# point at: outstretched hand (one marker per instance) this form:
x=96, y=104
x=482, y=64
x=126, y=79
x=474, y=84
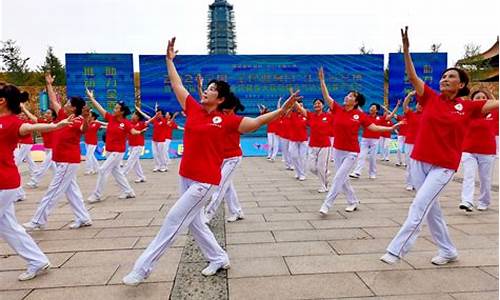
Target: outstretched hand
x=171, y=52
x=90, y=93
x=404, y=38
x=290, y=102
x=199, y=81
x=321, y=74
x=66, y=122
x=49, y=79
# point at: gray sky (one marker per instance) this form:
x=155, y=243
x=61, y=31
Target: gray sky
x=263, y=26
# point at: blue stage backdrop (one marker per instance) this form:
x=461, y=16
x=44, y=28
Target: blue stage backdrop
x=262, y=79
x=429, y=67
x=111, y=76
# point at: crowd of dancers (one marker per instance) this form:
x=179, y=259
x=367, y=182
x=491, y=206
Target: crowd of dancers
x=443, y=129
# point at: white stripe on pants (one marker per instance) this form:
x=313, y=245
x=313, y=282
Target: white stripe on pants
x=91, y=163
x=298, y=154
x=42, y=169
x=318, y=163
x=272, y=145
x=159, y=155
x=383, y=145
x=167, y=148
x=15, y=235
x=228, y=168
x=429, y=181
x=409, y=150
x=112, y=165
x=185, y=212
x=484, y=164
x=344, y=161
x=133, y=162
x=285, y=151
x=401, y=149
x=368, y=148
x=64, y=182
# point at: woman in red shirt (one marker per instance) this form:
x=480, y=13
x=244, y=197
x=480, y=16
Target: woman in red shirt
x=368, y=146
x=23, y=153
x=319, y=123
x=346, y=119
x=170, y=126
x=11, y=129
x=90, y=137
x=158, y=139
x=298, y=142
x=200, y=169
x=479, y=149
x=413, y=123
x=116, y=135
x=136, y=144
x=48, y=117
x=385, y=137
x=436, y=155
x=67, y=158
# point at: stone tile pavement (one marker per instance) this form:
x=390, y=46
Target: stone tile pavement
x=282, y=250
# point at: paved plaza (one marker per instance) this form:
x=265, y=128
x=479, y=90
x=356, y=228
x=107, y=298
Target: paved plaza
x=283, y=249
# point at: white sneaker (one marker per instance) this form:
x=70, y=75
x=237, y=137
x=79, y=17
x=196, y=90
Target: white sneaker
x=32, y=185
x=302, y=178
x=389, y=259
x=93, y=199
x=409, y=188
x=212, y=268
x=482, y=207
x=163, y=170
x=205, y=217
x=32, y=226
x=351, y=207
x=32, y=274
x=322, y=190
x=354, y=175
x=466, y=206
x=139, y=180
x=372, y=177
x=156, y=169
x=236, y=217
x=126, y=195
x=88, y=173
x=22, y=198
x=133, y=279
x=398, y=164
x=439, y=260
x=78, y=224
x=323, y=210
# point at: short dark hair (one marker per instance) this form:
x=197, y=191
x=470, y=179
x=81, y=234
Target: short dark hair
x=53, y=113
x=464, y=78
x=14, y=97
x=376, y=105
x=94, y=115
x=320, y=100
x=139, y=115
x=78, y=103
x=231, y=101
x=360, y=98
x=124, y=108
x=477, y=92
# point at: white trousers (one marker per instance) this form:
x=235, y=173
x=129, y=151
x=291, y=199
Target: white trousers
x=167, y=149
x=91, y=163
x=15, y=235
x=496, y=140
x=134, y=162
x=484, y=164
x=112, y=165
x=159, y=155
x=23, y=153
x=409, y=150
x=344, y=162
x=429, y=180
x=383, y=146
x=185, y=212
x=225, y=190
x=42, y=169
x=332, y=139
x=298, y=155
x=64, y=182
x=273, y=142
x=401, y=149
x=318, y=164
x=285, y=150
x=368, y=149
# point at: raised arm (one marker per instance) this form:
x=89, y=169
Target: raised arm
x=100, y=109
x=406, y=102
x=175, y=80
x=31, y=116
x=417, y=83
x=378, y=128
x=251, y=124
x=27, y=128
x=49, y=80
x=152, y=119
x=145, y=115
x=324, y=90
x=489, y=106
x=393, y=112
x=278, y=105
x=301, y=109
x=199, y=84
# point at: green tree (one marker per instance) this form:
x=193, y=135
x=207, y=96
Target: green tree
x=435, y=48
x=53, y=65
x=13, y=63
x=364, y=50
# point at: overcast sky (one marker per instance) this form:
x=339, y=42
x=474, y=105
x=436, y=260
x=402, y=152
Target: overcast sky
x=263, y=26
